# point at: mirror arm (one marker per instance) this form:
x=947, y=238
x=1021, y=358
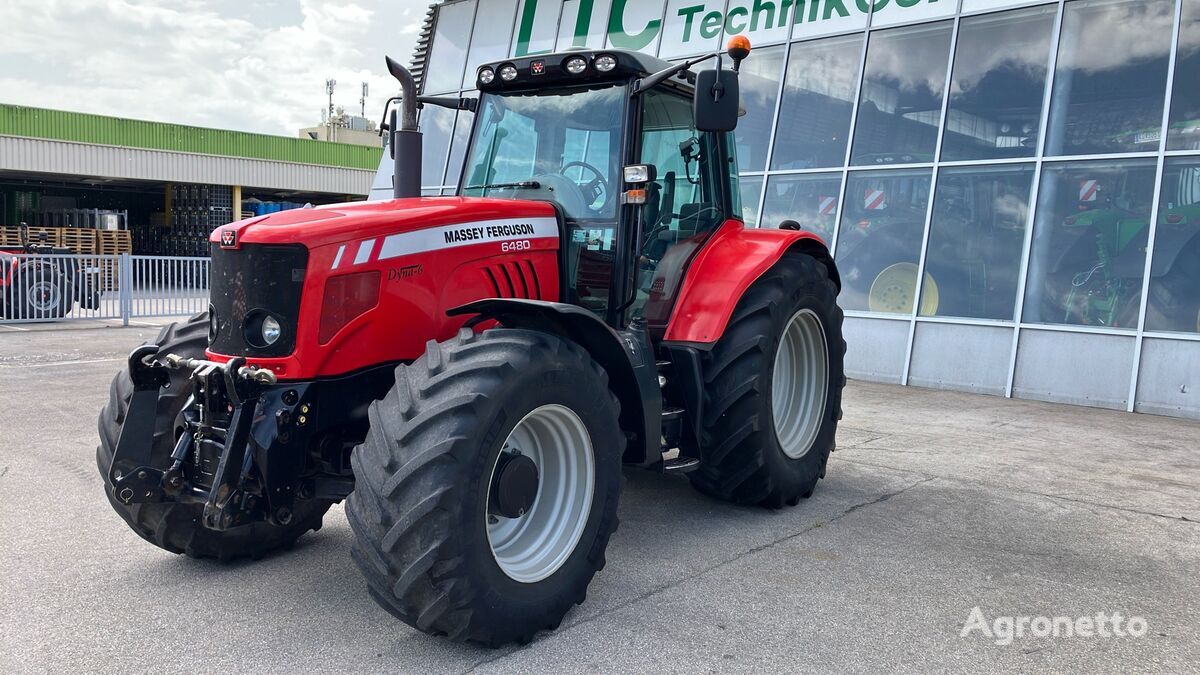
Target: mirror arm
x=383, y=123
x=464, y=103
x=654, y=80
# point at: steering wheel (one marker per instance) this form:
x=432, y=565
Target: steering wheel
x=594, y=189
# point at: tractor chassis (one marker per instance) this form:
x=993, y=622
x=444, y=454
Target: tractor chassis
x=247, y=447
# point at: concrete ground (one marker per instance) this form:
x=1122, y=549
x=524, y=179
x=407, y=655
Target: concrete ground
x=935, y=503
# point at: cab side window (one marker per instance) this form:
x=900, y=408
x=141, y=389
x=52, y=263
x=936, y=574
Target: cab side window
x=684, y=202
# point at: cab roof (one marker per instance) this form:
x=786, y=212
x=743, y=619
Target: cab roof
x=550, y=70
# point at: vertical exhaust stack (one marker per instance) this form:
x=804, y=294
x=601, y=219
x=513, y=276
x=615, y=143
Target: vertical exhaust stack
x=405, y=137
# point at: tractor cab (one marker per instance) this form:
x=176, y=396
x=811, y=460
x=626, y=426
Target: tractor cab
x=612, y=139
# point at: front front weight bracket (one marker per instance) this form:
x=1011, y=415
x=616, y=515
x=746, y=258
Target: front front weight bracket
x=133, y=478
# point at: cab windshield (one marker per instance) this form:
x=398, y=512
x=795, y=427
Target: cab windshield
x=562, y=146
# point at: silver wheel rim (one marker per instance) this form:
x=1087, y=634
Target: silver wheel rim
x=533, y=546
x=799, y=383
x=43, y=296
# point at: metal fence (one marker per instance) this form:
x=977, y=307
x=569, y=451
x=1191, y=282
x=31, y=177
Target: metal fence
x=38, y=288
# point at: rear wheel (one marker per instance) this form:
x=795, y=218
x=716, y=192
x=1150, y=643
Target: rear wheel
x=44, y=292
x=773, y=386
x=175, y=526
x=486, y=489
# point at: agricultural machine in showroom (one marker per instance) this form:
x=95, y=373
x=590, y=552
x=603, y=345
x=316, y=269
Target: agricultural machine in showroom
x=471, y=372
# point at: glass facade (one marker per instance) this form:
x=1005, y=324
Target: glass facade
x=979, y=168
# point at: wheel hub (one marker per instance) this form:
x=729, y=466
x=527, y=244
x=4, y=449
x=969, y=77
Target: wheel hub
x=540, y=493
x=799, y=383
x=514, y=486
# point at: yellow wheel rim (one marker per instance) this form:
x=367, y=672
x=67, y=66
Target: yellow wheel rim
x=895, y=290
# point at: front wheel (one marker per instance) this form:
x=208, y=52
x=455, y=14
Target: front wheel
x=773, y=389
x=177, y=526
x=486, y=489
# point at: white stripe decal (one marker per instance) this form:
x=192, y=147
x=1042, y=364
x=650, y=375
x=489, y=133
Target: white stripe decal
x=466, y=234
x=364, y=252
x=337, y=259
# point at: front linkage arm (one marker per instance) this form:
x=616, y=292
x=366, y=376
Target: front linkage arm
x=133, y=476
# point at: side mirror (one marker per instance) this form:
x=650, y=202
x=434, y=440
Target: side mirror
x=716, y=101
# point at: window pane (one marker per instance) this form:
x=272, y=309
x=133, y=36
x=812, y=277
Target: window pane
x=448, y=53
x=1175, y=276
x=1184, y=131
x=436, y=124
x=751, y=188
x=879, y=240
x=901, y=102
x=998, y=84
x=490, y=43
x=810, y=200
x=980, y=5
x=458, y=145
x=818, y=94
x=760, y=89
x=1089, y=244
x=975, y=241
x=1111, y=77
x=686, y=30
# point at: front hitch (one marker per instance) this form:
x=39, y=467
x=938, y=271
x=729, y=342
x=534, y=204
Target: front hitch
x=136, y=480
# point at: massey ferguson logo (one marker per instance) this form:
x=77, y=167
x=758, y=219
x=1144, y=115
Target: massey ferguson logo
x=229, y=239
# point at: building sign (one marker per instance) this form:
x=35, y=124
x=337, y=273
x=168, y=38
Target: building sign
x=694, y=26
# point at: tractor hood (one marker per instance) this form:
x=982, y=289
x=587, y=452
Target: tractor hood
x=339, y=223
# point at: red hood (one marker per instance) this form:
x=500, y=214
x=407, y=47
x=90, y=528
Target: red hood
x=336, y=223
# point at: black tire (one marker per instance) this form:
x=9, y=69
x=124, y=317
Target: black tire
x=44, y=293
x=173, y=526
x=742, y=460
x=419, y=504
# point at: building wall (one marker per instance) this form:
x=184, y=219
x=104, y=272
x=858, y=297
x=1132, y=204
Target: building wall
x=84, y=159
x=1035, y=165
x=368, y=139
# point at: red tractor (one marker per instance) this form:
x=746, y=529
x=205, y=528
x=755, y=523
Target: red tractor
x=471, y=372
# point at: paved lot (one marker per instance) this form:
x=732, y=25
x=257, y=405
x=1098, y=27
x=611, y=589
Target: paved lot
x=935, y=503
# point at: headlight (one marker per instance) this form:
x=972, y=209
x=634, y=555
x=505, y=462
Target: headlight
x=270, y=330
x=605, y=63
x=486, y=75
x=508, y=72
x=575, y=65
x=262, y=330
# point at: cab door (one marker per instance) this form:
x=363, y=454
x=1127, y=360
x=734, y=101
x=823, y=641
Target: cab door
x=693, y=194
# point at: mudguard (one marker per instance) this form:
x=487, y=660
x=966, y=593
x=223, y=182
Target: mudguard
x=1169, y=243
x=625, y=355
x=733, y=259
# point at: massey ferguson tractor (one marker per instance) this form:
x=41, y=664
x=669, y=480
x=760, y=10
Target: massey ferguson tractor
x=471, y=372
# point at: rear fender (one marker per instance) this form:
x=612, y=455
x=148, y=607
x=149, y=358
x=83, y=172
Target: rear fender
x=1169, y=245
x=632, y=371
x=733, y=259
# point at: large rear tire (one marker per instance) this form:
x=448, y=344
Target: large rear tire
x=174, y=526
x=44, y=292
x=773, y=388
x=425, y=508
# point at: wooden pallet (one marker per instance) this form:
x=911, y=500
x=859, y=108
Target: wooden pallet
x=79, y=240
x=11, y=235
x=114, y=242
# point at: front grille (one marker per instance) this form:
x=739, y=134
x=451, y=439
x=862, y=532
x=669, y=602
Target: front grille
x=256, y=277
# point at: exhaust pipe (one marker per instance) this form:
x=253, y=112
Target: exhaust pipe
x=405, y=137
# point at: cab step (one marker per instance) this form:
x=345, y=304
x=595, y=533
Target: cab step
x=672, y=414
x=680, y=465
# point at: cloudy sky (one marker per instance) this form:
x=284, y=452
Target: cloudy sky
x=252, y=65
